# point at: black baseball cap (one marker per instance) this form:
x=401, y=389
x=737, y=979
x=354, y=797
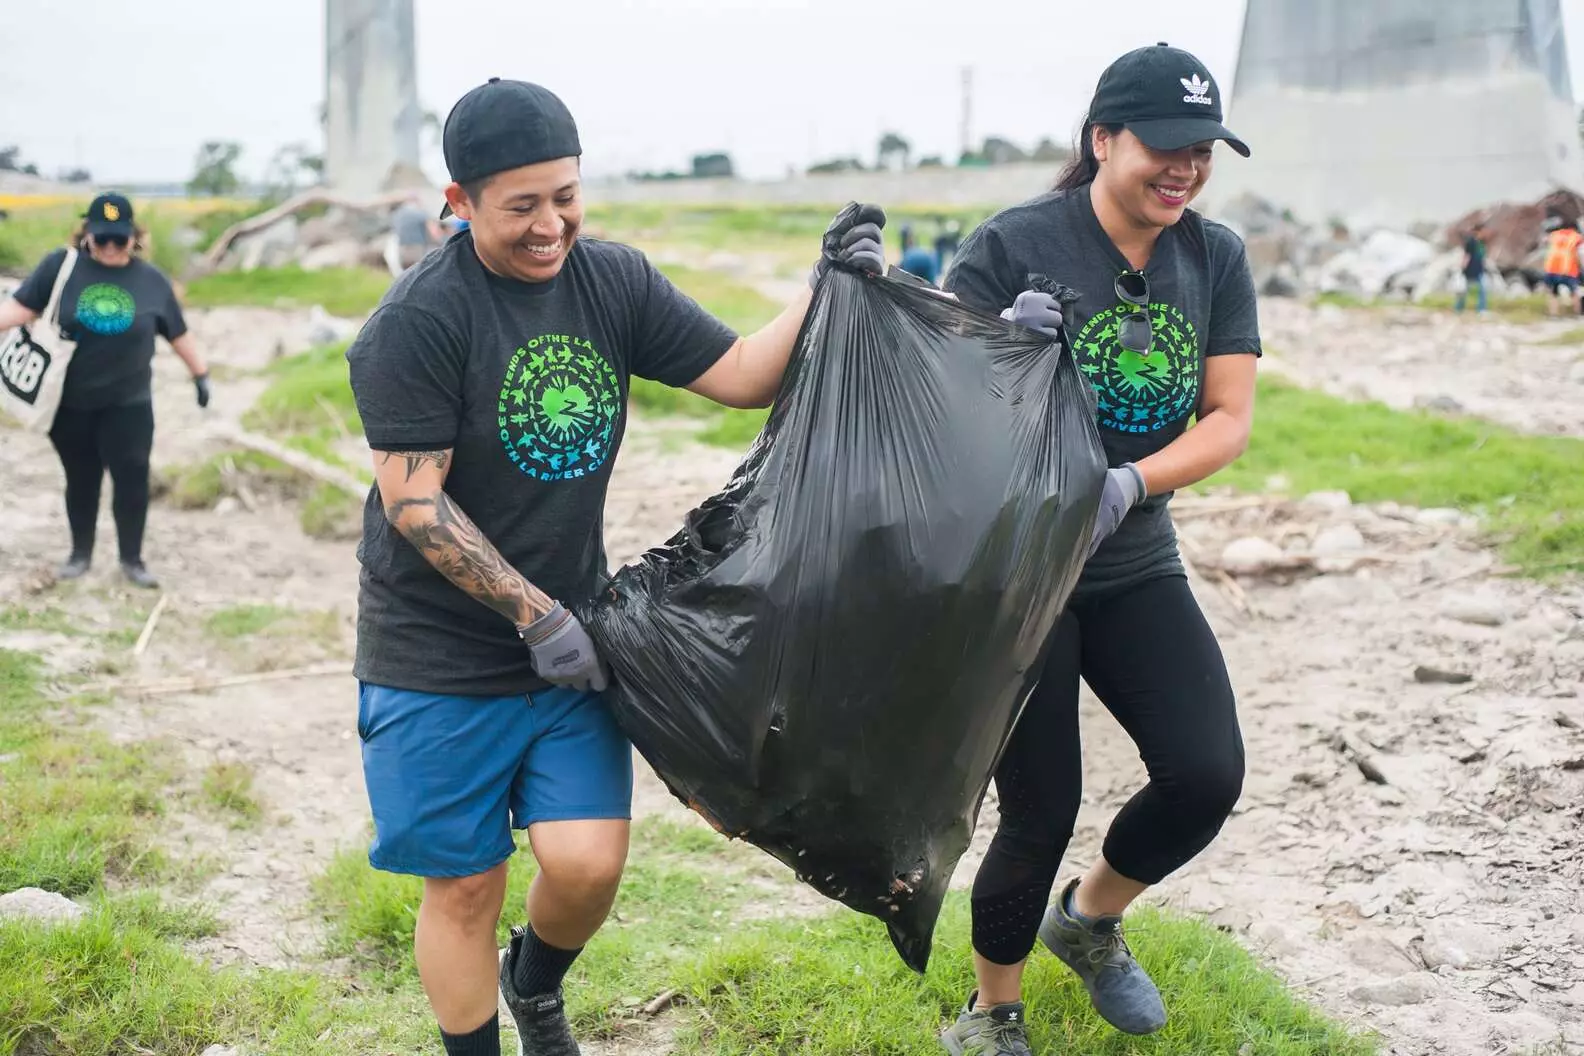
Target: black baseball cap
x=110, y=214
x=504, y=125
x=1165, y=97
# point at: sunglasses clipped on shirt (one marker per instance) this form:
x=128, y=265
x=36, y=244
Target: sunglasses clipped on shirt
x=111, y=240
x=1133, y=323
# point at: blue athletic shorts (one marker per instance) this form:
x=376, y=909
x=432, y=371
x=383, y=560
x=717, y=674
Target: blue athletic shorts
x=449, y=777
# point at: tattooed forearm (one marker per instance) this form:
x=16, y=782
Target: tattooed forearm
x=453, y=544
x=413, y=461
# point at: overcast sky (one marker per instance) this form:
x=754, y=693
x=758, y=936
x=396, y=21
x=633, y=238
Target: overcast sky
x=131, y=90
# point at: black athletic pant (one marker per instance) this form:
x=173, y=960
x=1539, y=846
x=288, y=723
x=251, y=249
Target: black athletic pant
x=89, y=442
x=1151, y=658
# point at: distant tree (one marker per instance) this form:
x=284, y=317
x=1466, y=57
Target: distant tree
x=78, y=175
x=893, y=147
x=30, y=169
x=998, y=151
x=1047, y=150
x=214, y=171
x=715, y=166
x=931, y=161
x=293, y=167
x=10, y=159
x=847, y=164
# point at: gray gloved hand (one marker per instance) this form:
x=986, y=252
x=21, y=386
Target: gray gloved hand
x=562, y=651
x=1037, y=311
x=201, y=383
x=854, y=239
x=1124, y=489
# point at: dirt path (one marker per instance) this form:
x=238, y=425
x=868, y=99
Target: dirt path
x=1468, y=858
x=1529, y=376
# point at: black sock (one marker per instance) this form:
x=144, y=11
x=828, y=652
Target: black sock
x=485, y=1041
x=540, y=966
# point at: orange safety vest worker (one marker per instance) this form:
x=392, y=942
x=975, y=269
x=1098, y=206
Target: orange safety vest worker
x=1562, y=248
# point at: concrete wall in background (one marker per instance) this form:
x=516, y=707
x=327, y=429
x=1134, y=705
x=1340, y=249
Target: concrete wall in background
x=372, y=116
x=1393, y=111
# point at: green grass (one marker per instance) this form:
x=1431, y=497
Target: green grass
x=1574, y=336
x=48, y=619
x=310, y=392
x=228, y=788
x=1528, y=489
x=74, y=807
x=829, y=985
x=347, y=292
x=1526, y=307
x=793, y=230
x=243, y=621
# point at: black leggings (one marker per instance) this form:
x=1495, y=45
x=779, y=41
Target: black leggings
x=1153, y=661
x=89, y=442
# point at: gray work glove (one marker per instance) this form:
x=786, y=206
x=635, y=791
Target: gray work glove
x=1037, y=311
x=201, y=383
x=853, y=239
x=562, y=651
x=1124, y=489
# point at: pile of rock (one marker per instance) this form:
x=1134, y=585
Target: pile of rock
x=1290, y=258
x=313, y=231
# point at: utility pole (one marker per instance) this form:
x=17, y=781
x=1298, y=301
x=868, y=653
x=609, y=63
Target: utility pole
x=965, y=133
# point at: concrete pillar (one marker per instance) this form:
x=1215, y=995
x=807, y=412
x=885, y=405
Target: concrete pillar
x=1396, y=111
x=372, y=117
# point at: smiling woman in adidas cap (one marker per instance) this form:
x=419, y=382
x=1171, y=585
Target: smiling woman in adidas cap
x=1165, y=328
x=113, y=306
x=492, y=382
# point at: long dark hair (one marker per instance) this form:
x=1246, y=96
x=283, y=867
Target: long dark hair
x=1084, y=166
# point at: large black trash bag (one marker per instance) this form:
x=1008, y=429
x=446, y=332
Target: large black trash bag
x=828, y=658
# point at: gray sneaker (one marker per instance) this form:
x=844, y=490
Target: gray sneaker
x=542, y=1028
x=1119, y=989
x=996, y=1031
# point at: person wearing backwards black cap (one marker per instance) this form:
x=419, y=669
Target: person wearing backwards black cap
x=1166, y=331
x=492, y=382
x=113, y=305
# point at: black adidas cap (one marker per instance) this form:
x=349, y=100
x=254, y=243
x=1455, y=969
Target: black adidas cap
x=109, y=214
x=1165, y=97
x=503, y=125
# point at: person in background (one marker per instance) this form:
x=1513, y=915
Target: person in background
x=946, y=243
x=1473, y=271
x=1562, y=265
x=416, y=232
x=916, y=260
x=1167, y=332
x=115, y=303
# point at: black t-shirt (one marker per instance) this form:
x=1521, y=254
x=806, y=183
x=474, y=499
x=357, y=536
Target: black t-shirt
x=527, y=383
x=1474, y=266
x=1201, y=304
x=113, y=314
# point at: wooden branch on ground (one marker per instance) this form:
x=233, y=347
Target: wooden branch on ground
x=303, y=463
x=1361, y=756
x=150, y=624
x=194, y=685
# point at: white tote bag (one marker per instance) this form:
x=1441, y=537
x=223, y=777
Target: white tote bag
x=33, y=362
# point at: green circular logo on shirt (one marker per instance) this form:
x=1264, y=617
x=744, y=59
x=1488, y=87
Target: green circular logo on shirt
x=559, y=403
x=106, y=309
x=1141, y=394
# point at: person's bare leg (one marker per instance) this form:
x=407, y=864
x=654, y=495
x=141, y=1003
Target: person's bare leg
x=580, y=870
x=999, y=984
x=455, y=947
x=1105, y=892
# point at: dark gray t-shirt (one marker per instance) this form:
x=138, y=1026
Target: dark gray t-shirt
x=113, y=314
x=527, y=383
x=1201, y=304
